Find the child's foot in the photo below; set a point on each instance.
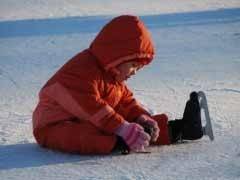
(175, 129)
(192, 125)
(121, 146)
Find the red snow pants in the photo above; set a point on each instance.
(82, 137)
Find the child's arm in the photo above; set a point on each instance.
(129, 108)
(81, 98)
(134, 112)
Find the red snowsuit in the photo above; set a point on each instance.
(81, 105)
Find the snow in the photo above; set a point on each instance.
(41, 9)
(197, 45)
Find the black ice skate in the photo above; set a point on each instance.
(207, 129)
(121, 146)
(192, 124)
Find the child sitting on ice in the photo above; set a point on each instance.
(87, 108)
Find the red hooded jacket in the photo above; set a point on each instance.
(85, 86)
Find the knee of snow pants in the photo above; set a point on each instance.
(75, 137)
(163, 138)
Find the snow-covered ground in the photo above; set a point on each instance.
(41, 9)
(198, 48)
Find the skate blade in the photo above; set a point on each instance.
(207, 129)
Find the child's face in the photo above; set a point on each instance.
(126, 70)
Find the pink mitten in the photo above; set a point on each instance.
(134, 136)
(145, 120)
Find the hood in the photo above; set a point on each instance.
(124, 38)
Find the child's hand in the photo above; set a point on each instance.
(149, 124)
(134, 136)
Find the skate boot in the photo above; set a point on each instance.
(192, 125)
(121, 146)
(175, 129)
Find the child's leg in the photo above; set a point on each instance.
(75, 137)
(164, 137)
(175, 130)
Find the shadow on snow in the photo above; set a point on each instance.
(93, 24)
(31, 155)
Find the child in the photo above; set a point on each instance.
(86, 107)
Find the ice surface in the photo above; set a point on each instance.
(41, 9)
(195, 51)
